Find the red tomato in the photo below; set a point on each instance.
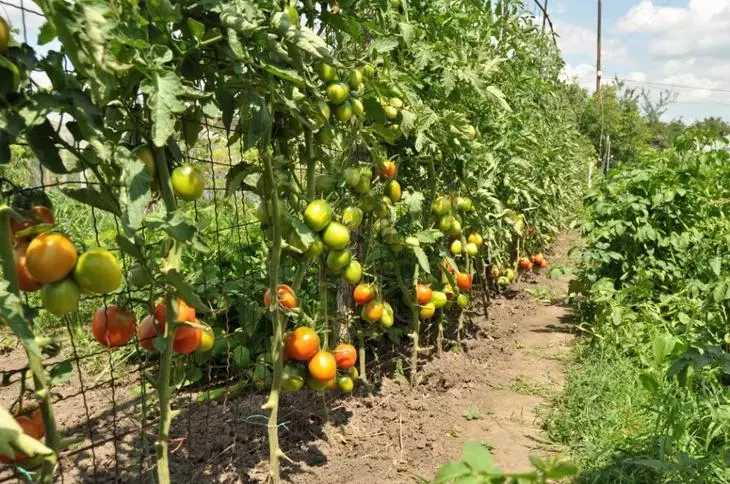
(38, 214)
(301, 344)
(187, 339)
(423, 293)
(113, 326)
(464, 281)
(184, 313)
(286, 295)
(25, 280)
(345, 356)
(146, 333)
(323, 366)
(363, 293)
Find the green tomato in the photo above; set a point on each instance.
(455, 228)
(316, 385)
(368, 70)
(315, 249)
(353, 272)
(146, 156)
(391, 113)
(464, 204)
(396, 102)
(60, 298)
(326, 72)
(97, 270)
(336, 236)
(352, 176)
(469, 131)
(456, 247)
(188, 182)
(338, 93)
(475, 238)
(338, 259)
(357, 108)
(509, 274)
(441, 206)
(388, 317)
(363, 186)
(439, 299)
(345, 384)
(352, 217)
(393, 191)
(355, 79)
(390, 236)
(343, 112)
(471, 249)
(446, 223)
(318, 214)
(138, 277)
(503, 281)
(324, 109)
(292, 378)
(324, 136)
(462, 301)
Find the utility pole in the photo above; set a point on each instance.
(598, 49)
(544, 16)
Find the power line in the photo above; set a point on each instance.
(662, 84)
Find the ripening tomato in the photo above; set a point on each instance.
(338, 259)
(188, 182)
(393, 191)
(318, 214)
(388, 169)
(363, 293)
(372, 311)
(446, 223)
(524, 264)
(543, 264)
(287, 297)
(352, 217)
(464, 281)
(336, 236)
(323, 366)
(427, 310)
(26, 282)
(4, 35)
(50, 257)
(537, 258)
(391, 113)
(112, 326)
(38, 214)
(456, 247)
(471, 249)
(495, 272)
(184, 313)
(98, 271)
(423, 293)
(315, 248)
(509, 274)
(475, 238)
(186, 340)
(345, 356)
(337, 93)
(207, 338)
(146, 333)
(60, 298)
(301, 344)
(441, 206)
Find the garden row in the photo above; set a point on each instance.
(392, 154)
(647, 399)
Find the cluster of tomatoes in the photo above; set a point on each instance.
(343, 96)
(503, 277)
(32, 425)
(320, 369)
(534, 263)
(49, 262)
(374, 309)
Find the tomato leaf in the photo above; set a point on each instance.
(42, 140)
(662, 347)
(130, 247)
(164, 90)
(422, 259)
(136, 194)
(477, 457)
(241, 356)
(61, 372)
(236, 177)
(89, 196)
(185, 291)
(450, 471)
(12, 313)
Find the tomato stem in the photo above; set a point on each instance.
(323, 303)
(277, 340)
(26, 336)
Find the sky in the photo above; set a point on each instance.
(679, 45)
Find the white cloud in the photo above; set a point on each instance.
(577, 40)
(647, 17)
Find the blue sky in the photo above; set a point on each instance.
(679, 45)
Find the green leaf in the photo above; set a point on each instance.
(429, 236)
(91, 197)
(136, 194)
(12, 314)
(498, 95)
(286, 74)
(422, 259)
(662, 347)
(185, 291)
(165, 91)
(130, 247)
(561, 470)
(61, 372)
(241, 356)
(716, 265)
(450, 471)
(196, 28)
(236, 175)
(478, 458)
(383, 45)
(308, 41)
(42, 139)
(46, 33)
(649, 382)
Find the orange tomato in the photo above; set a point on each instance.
(286, 295)
(25, 280)
(36, 215)
(524, 264)
(345, 356)
(372, 311)
(388, 169)
(363, 293)
(32, 426)
(146, 333)
(113, 326)
(50, 257)
(301, 344)
(464, 281)
(323, 366)
(423, 293)
(543, 264)
(187, 339)
(184, 313)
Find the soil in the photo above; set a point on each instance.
(488, 391)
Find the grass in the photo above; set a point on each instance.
(527, 386)
(603, 417)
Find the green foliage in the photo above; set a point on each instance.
(656, 285)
